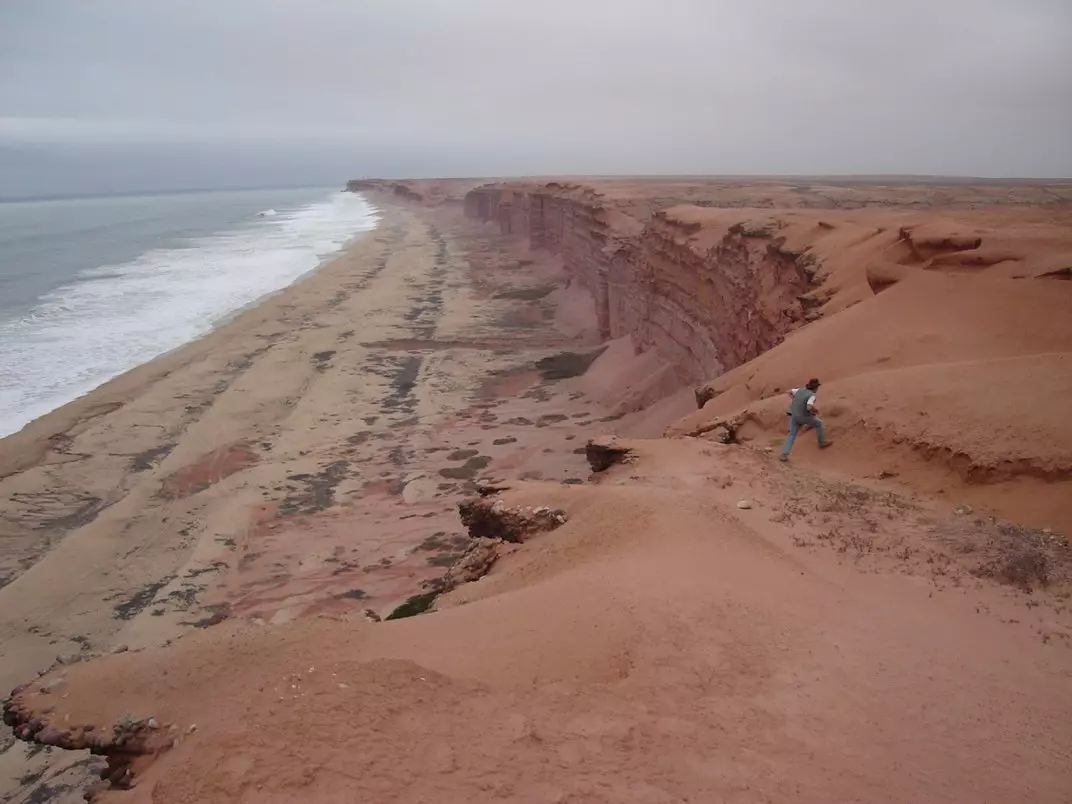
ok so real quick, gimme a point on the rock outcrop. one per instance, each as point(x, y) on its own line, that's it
point(428, 192)
point(473, 564)
point(709, 289)
point(603, 453)
point(121, 744)
point(494, 519)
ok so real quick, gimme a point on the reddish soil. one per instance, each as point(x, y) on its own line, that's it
point(887, 620)
point(208, 471)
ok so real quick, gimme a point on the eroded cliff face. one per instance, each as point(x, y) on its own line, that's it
point(707, 294)
point(429, 192)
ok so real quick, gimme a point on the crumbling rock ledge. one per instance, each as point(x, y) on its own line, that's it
point(728, 425)
point(122, 745)
point(473, 564)
point(491, 524)
point(603, 453)
point(487, 519)
point(709, 289)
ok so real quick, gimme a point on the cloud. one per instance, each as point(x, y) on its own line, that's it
point(981, 87)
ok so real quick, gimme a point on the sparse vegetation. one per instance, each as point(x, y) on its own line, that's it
point(1026, 558)
point(418, 604)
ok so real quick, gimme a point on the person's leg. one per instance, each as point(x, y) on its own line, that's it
point(793, 428)
point(817, 423)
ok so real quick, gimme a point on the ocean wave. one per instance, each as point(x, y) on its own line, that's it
point(115, 317)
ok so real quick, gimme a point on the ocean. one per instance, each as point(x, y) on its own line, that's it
point(92, 287)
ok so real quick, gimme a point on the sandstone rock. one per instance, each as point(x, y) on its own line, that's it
point(128, 740)
point(704, 394)
point(495, 520)
point(655, 281)
point(744, 505)
point(473, 564)
point(729, 427)
point(603, 453)
point(487, 489)
point(49, 735)
point(120, 649)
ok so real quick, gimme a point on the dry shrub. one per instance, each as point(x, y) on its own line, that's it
point(1026, 558)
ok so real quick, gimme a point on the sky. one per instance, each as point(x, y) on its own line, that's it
point(122, 95)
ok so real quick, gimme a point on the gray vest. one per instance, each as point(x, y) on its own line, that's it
point(798, 408)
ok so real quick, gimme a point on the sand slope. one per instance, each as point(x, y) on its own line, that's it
point(663, 645)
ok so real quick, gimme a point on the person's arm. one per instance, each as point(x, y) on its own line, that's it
point(793, 392)
point(811, 404)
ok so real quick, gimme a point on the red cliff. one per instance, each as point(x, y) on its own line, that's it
point(707, 288)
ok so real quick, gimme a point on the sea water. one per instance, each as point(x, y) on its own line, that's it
point(92, 287)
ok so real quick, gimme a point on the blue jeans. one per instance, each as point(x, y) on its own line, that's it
point(794, 428)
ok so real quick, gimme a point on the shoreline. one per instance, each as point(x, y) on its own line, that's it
point(209, 326)
point(130, 411)
point(370, 390)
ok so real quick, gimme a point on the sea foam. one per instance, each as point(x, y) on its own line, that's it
point(116, 317)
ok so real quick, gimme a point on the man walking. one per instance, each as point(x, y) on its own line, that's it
point(802, 413)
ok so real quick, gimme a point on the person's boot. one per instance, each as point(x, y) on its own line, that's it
point(783, 458)
point(825, 444)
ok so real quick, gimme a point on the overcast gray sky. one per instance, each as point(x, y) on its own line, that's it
point(130, 94)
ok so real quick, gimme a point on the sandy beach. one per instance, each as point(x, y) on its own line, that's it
point(290, 462)
point(212, 540)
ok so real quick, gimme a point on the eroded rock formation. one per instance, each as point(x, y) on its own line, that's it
point(121, 744)
point(473, 564)
point(603, 453)
point(494, 519)
point(708, 294)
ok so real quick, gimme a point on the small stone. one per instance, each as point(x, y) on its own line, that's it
point(1047, 531)
point(152, 724)
point(744, 505)
point(191, 728)
point(120, 649)
point(962, 510)
point(68, 658)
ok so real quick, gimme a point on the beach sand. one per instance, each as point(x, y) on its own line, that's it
point(291, 462)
